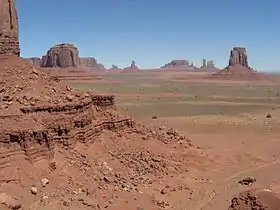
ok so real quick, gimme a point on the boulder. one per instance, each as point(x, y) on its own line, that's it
point(255, 199)
point(9, 37)
point(62, 56)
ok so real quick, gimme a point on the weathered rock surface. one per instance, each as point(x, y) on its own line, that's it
point(9, 40)
point(36, 61)
point(238, 56)
point(62, 56)
point(63, 115)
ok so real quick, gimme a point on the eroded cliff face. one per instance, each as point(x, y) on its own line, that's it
point(9, 41)
point(62, 56)
point(38, 112)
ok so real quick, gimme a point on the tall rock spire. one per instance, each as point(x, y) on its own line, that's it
point(9, 38)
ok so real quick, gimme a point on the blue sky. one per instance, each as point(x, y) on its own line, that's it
point(153, 32)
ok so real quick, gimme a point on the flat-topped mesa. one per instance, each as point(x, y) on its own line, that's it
point(238, 56)
point(62, 56)
point(9, 38)
point(88, 62)
point(177, 63)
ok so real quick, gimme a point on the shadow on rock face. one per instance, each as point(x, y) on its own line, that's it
point(255, 199)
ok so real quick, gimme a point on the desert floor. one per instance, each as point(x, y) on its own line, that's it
point(235, 122)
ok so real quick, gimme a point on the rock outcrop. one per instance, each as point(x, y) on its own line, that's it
point(9, 41)
point(255, 199)
point(62, 56)
point(63, 115)
point(238, 67)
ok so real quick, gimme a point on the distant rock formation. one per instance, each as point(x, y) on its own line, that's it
point(133, 65)
point(132, 68)
point(203, 63)
point(238, 56)
point(177, 63)
point(210, 63)
point(207, 63)
point(238, 66)
point(9, 38)
point(88, 61)
point(36, 61)
point(43, 61)
point(115, 67)
point(62, 56)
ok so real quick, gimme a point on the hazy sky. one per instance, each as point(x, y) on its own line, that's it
point(153, 32)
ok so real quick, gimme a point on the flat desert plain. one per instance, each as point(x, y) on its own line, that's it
point(236, 123)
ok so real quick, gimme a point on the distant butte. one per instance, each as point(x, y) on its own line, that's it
point(62, 56)
point(238, 66)
point(184, 64)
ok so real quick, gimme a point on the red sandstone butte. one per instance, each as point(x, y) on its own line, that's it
point(238, 67)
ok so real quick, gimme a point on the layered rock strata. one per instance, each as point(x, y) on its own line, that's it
point(37, 112)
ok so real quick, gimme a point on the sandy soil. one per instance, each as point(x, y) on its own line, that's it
point(240, 142)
